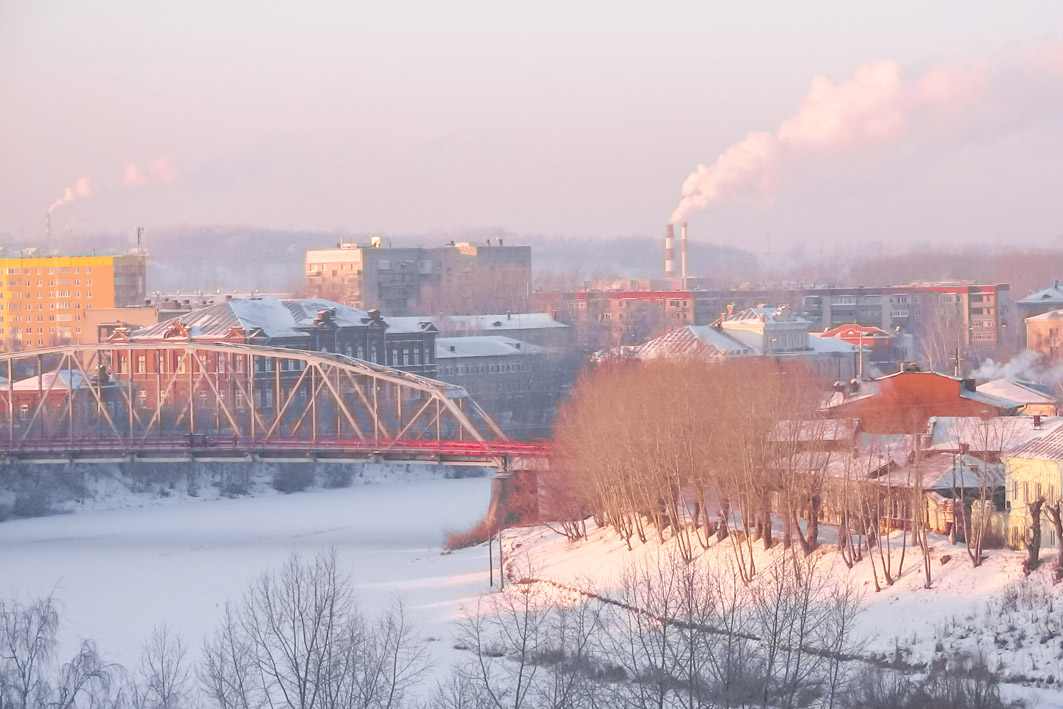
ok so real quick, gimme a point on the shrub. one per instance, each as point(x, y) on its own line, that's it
point(338, 475)
point(34, 503)
point(477, 534)
point(293, 478)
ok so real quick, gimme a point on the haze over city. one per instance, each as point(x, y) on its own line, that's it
point(512, 355)
point(572, 120)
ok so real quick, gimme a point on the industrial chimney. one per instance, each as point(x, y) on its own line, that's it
point(669, 252)
point(683, 240)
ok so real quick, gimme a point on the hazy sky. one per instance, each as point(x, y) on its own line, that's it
point(575, 118)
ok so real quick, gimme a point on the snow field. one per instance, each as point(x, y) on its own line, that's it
point(118, 574)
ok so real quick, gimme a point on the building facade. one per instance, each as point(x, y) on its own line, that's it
point(43, 300)
point(1043, 335)
point(313, 324)
point(458, 277)
point(512, 380)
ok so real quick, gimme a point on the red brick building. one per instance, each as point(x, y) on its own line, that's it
point(905, 401)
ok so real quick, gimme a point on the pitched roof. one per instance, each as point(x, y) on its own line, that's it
point(1052, 294)
point(1047, 445)
point(1015, 390)
point(496, 323)
point(693, 341)
point(1050, 315)
point(272, 318)
point(483, 346)
point(55, 380)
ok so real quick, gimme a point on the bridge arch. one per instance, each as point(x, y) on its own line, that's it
point(131, 395)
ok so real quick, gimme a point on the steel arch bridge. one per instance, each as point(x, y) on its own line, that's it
point(215, 399)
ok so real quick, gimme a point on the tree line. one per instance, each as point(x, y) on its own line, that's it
point(670, 635)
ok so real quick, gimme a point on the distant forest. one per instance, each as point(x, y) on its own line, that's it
point(237, 258)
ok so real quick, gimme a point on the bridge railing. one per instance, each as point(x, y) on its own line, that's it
point(199, 444)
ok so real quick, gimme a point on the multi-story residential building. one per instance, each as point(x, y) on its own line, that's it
point(43, 300)
point(952, 315)
point(458, 277)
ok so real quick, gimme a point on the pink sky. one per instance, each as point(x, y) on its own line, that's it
point(581, 120)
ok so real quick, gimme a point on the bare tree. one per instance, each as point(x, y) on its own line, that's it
point(165, 675)
point(28, 673)
point(298, 640)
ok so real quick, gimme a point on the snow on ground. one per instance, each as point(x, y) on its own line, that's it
point(172, 559)
point(117, 574)
point(965, 608)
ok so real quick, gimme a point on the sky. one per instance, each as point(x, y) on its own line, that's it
point(575, 119)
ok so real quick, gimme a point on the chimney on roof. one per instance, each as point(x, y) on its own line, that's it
point(1037, 420)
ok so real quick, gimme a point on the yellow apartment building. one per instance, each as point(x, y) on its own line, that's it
point(44, 300)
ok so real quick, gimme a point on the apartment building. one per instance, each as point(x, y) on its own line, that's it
point(461, 277)
point(44, 300)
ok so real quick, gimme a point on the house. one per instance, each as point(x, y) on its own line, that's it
point(877, 347)
point(1041, 301)
point(1034, 399)
point(1043, 335)
point(904, 402)
point(1033, 469)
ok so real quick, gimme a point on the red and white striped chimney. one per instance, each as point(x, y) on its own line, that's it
point(683, 240)
point(669, 252)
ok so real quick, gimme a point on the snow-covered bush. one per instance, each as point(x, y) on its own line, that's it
point(293, 478)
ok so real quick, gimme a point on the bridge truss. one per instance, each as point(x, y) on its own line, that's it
point(158, 396)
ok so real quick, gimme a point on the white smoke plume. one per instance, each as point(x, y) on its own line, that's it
point(877, 107)
point(160, 170)
point(82, 189)
point(1026, 366)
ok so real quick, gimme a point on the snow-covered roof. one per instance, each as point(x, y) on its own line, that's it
point(273, 318)
point(945, 471)
point(693, 341)
point(496, 323)
point(986, 435)
point(829, 345)
point(1051, 295)
point(767, 315)
point(1050, 315)
point(483, 346)
point(55, 380)
point(1045, 444)
point(1015, 390)
point(408, 323)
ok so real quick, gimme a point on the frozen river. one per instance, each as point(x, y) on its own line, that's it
point(120, 573)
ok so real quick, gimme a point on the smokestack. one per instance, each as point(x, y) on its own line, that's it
point(669, 252)
point(47, 231)
point(683, 240)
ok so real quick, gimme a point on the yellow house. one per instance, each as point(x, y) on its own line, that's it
point(1033, 469)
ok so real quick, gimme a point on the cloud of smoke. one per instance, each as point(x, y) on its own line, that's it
point(1026, 366)
point(82, 189)
point(161, 170)
point(877, 107)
